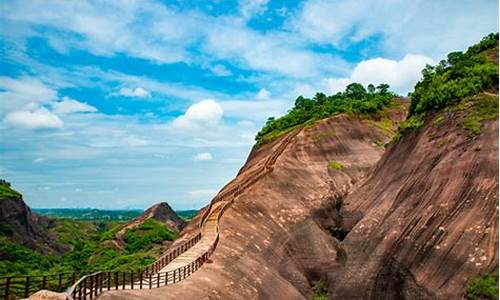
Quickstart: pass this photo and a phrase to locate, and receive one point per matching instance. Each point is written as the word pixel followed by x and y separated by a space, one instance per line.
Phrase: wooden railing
pixel 91 286
pixel 15 287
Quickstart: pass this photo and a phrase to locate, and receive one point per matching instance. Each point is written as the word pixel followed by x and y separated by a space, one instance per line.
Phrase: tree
pixel 371 89
pixel 383 88
pixel 355 91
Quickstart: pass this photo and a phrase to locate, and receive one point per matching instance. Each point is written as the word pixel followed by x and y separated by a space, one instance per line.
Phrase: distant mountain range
pixel 83 214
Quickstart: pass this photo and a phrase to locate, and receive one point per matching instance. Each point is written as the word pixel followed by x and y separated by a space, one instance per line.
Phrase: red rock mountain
pixel 275 240
pixel 26 228
pixel 161 212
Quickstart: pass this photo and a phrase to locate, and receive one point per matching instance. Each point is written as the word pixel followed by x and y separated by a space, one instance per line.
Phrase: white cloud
pixel 136 92
pixel 400 75
pixel 250 8
pixel 40 118
pixel 263 94
pixel 16 93
pixel 204 113
pixel 39 160
pixel 69 106
pixel 433 28
pixel 220 70
pixel 203 156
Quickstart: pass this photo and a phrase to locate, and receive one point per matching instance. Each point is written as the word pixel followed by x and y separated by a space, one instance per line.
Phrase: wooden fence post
pixel 7 287
pixel 27 287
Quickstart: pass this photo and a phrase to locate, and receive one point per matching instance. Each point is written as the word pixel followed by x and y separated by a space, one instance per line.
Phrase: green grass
pixel 482 287
pixel 336 165
pixel 320 291
pixel 6 192
pixel 481 108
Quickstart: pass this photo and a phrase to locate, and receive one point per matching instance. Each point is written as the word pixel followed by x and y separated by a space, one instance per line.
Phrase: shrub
pixel 148 233
pixel 459 76
pixel 320 291
pixel 336 165
pixel 483 287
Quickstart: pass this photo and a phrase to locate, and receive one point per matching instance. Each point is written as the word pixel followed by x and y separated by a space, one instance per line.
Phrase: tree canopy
pixel 355 99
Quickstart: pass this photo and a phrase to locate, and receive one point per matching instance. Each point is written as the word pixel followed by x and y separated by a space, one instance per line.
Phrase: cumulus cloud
pixel 15 93
pixel 203 156
pixel 40 118
pixel 263 94
pixel 400 75
pixel 135 92
pixel 69 106
pixel 204 113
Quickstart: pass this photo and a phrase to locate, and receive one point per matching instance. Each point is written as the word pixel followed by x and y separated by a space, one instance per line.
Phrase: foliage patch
pixel 482 287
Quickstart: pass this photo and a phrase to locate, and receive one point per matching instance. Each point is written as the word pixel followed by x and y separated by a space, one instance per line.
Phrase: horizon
pixel 119 106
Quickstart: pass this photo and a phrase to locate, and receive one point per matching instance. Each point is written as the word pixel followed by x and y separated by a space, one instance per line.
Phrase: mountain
pixel 378 201
pixel 158 215
pixel 20 225
pixel 275 238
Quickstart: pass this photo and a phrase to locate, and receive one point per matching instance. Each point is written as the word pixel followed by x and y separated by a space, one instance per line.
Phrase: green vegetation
pixel 336 165
pixel 320 291
pixel 481 108
pixel 6 192
pixel 89 213
pixel 16 259
pixel 187 215
pixel 93 214
pixel 455 81
pixel 355 100
pixel 90 249
pixel 148 233
pixel 483 287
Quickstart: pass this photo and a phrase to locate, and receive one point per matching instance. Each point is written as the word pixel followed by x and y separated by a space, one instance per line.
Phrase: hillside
pixel 425 223
pixel 35 244
pixel 342 217
pixel 272 244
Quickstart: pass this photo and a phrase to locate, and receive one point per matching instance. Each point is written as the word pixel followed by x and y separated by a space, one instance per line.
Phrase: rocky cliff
pixel 24 227
pixel 276 238
pixel 426 220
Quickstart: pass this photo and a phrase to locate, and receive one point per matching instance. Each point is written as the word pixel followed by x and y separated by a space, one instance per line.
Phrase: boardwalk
pixel 185 259
pixel 209 234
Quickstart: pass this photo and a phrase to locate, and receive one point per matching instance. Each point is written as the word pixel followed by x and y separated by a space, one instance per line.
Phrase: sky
pixel 123 104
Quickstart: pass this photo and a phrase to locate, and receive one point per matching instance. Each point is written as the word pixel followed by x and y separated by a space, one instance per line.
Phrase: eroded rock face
pixel 274 240
pixel 426 221
pixel 28 229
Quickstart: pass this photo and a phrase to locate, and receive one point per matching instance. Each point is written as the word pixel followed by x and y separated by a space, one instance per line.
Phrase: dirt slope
pixel 426 220
pixel 273 240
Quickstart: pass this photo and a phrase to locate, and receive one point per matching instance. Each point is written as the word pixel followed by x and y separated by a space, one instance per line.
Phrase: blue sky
pixel 122 104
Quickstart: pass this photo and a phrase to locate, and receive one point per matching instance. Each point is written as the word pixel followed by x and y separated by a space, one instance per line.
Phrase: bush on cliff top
pixel 453 81
pixel 354 100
